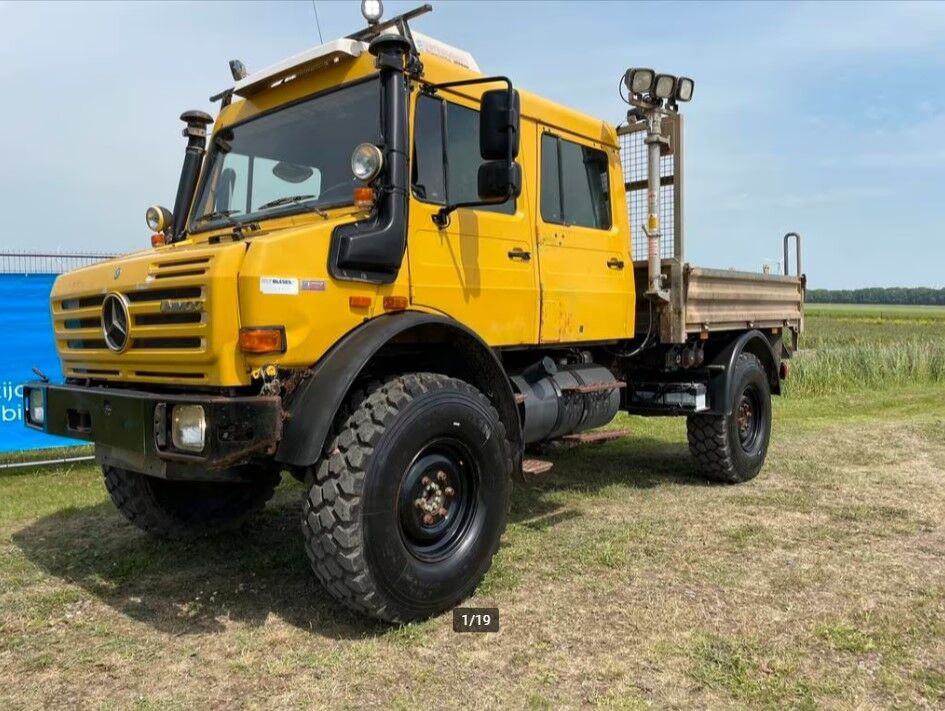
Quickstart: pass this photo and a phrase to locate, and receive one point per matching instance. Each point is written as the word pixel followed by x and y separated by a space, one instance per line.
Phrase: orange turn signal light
pixel 158 239
pixel 363 197
pixel 269 339
pixel 395 303
pixel 359 302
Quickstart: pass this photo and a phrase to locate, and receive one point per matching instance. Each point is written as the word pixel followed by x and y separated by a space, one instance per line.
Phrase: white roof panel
pixel 302 63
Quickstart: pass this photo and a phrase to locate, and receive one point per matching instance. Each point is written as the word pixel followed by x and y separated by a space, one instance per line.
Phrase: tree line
pixel 915 295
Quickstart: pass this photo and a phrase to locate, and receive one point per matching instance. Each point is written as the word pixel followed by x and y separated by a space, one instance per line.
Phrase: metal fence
pixel 633 160
pixel 49 262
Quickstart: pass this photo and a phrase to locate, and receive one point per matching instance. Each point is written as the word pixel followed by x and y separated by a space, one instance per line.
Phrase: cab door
pixel 479 269
pixel 584 262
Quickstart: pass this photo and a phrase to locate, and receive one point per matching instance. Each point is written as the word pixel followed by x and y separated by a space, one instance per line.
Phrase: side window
pixel 429 175
pixel 448 170
pixel 582 187
pixel 550 180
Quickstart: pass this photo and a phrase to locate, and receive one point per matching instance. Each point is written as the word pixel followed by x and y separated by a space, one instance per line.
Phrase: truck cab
pixel 387 275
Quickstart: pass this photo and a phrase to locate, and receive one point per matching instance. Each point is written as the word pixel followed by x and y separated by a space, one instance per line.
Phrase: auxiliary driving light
pixel 158 218
pixel 366 162
pixel 664 86
pixel 639 81
pixel 684 87
pixel 36 407
pixel 372 11
pixel 188 427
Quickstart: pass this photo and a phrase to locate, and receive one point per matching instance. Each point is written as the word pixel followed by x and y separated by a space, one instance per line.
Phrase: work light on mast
pixel 654 96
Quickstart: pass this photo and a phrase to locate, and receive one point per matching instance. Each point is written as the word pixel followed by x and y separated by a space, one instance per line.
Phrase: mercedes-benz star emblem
pixel 115 322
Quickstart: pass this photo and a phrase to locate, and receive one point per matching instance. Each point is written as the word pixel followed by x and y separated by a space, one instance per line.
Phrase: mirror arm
pixel 441 218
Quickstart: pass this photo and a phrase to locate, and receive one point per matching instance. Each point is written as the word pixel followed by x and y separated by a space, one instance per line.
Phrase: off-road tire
pixel 714 440
pixel 353 512
pixel 178 510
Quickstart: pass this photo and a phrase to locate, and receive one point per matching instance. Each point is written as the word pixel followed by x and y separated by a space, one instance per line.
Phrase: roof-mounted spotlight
pixel 238 70
pixel 372 11
pixel 639 81
pixel 664 86
pixel 684 87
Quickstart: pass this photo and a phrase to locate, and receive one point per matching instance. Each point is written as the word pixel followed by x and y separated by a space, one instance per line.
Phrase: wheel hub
pixel 434 500
pixel 747 419
pixel 437 499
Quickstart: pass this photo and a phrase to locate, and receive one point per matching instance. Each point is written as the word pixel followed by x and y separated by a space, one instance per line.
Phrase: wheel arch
pixel 385 345
pixel 754 342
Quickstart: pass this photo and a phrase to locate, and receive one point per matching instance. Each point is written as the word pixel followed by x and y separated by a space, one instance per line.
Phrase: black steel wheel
pixel 438 499
pixel 404 513
pixel 732 448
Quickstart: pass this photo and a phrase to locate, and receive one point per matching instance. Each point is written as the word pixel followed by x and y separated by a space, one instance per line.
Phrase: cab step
pixel 536 466
pixel 598 437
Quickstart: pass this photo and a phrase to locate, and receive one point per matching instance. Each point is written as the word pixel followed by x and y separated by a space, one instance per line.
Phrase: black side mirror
pixel 500 177
pixel 499 180
pixel 499 125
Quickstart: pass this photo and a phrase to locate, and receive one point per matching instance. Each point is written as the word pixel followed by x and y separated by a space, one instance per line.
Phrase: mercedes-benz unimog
pixel 391 276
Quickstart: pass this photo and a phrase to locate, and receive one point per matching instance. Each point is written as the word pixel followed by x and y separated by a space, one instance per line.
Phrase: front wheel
pixel 732 448
pixel 187 509
pixel 405 511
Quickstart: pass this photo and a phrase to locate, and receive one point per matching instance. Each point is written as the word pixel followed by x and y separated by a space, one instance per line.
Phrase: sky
pixel 825 119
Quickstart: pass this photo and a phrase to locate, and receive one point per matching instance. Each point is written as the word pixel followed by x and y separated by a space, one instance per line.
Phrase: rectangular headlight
pixel 188 427
pixel 36 406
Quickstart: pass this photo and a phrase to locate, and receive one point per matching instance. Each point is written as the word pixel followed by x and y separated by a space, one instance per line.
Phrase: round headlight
pixel 158 218
pixel 366 162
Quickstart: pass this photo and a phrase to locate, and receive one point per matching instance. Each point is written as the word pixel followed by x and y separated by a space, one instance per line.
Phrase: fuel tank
pixel 561 400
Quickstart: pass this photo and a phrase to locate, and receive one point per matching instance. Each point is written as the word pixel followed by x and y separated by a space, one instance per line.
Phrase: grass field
pixel 624 581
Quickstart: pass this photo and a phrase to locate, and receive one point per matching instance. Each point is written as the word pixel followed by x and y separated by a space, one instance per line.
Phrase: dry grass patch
pixel 624 581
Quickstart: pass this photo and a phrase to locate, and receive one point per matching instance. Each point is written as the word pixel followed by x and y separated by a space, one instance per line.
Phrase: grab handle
pixel 797 253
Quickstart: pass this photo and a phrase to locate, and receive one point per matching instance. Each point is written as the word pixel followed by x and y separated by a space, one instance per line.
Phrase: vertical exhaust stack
pixel 196 135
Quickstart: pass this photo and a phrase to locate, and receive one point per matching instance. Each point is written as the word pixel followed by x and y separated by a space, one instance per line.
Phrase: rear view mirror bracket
pixel 499 136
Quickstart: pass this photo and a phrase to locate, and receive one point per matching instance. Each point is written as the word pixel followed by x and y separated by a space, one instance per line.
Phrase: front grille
pixel 178 268
pixel 168 312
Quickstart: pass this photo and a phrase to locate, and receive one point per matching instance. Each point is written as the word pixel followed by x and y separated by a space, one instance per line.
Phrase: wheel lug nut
pixel 418 503
pixel 426 481
pixel 449 491
pixel 441 475
pixel 427 519
pixel 442 512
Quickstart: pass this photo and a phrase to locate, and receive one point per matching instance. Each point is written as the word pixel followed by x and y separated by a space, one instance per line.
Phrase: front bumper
pixel 131 429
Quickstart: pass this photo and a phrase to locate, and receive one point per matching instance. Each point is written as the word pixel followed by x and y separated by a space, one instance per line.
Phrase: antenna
pixel 318 25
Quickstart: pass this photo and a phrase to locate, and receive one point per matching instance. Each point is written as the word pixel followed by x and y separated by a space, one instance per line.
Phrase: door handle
pixel 520 254
pixel 615 263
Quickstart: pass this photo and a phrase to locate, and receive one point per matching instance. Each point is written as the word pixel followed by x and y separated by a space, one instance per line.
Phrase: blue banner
pixel 27 334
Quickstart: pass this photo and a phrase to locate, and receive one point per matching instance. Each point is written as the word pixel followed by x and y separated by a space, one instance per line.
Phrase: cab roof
pixel 344 60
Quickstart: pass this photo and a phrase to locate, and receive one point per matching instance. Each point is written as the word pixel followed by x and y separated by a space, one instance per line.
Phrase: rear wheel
pixel 405 511
pixel 732 448
pixel 186 509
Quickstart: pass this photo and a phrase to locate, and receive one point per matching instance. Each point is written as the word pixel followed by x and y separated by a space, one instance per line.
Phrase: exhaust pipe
pixel 196 135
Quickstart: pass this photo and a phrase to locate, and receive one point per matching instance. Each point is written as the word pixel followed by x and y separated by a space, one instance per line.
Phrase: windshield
pixel 293 159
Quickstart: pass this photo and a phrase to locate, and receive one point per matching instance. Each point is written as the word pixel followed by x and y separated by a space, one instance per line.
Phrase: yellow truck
pixel 390 276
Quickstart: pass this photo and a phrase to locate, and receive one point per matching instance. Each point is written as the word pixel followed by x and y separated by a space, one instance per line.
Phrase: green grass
pixel 624 580
pixel 849 348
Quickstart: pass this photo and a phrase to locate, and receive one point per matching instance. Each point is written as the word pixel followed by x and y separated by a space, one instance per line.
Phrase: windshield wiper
pixel 285 201
pixel 217 215
pixel 291 200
